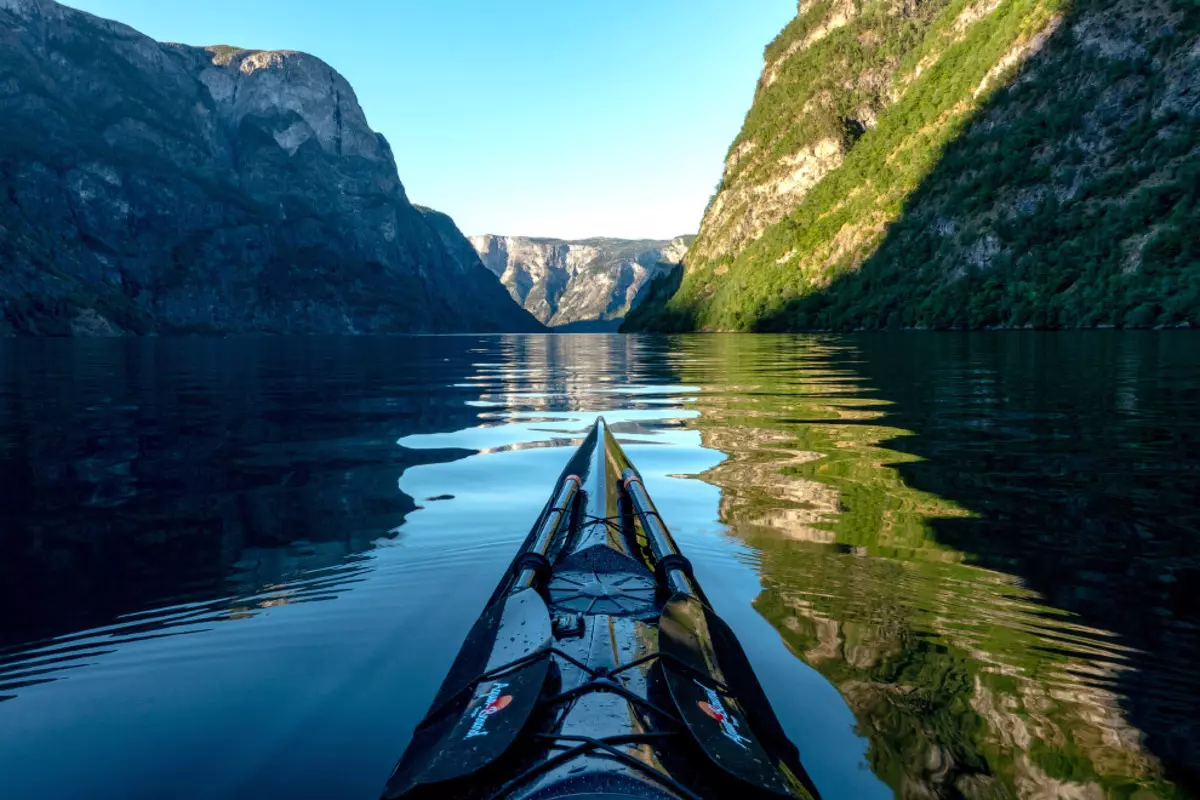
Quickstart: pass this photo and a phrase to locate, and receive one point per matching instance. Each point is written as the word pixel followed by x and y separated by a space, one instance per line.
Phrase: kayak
pixel 598 670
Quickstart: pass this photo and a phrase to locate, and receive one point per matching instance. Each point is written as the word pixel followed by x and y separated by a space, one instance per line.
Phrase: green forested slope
pixel 959 164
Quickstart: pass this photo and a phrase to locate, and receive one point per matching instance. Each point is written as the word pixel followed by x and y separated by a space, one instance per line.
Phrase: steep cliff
pixel 958 163
pixel 149 187
pixel 586 281
pixel 473 278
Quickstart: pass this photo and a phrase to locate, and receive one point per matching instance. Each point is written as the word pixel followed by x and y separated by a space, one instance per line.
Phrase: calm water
pixel 963 565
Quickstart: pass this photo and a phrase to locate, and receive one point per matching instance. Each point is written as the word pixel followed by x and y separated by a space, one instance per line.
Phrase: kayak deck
pixel 598 670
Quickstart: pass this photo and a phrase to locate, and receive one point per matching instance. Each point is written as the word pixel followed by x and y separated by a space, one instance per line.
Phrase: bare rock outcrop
pixel 586 281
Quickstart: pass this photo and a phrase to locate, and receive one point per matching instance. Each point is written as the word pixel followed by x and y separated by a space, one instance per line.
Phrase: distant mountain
pixel 583 281
pixel 958 163
pixel 149 187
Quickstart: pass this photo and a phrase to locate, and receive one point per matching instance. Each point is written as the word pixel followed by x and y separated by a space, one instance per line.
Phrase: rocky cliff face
pixel 958 163
pixel 472 278
pixel 152 187
pixel 586 281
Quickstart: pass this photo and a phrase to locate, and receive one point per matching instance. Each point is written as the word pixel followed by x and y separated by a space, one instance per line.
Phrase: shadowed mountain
pixel 149 187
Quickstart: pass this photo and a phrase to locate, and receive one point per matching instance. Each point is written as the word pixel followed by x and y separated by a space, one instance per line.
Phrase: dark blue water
pixel 962 565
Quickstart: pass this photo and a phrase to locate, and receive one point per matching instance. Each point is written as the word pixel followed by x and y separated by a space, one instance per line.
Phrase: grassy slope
pixel 1070 202
pixel 829 72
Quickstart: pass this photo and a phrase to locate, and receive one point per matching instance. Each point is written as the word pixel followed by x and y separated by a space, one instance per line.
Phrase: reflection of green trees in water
pixel 964 684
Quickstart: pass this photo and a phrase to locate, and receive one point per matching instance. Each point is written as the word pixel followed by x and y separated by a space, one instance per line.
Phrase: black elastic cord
pixel 593 674
pixel 605 684
pixel 574 662
pixel 650 512
pixel 637 662
pixel 612 523
pixel 607 744
pixel 496 672
pixel 503 669
pixel 599 680
pixel 686 667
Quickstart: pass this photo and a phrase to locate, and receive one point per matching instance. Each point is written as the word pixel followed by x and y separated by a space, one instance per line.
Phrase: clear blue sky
pixel 564 118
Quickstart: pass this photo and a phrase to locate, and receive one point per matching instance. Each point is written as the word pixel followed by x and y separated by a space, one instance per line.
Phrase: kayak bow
pixel 598 669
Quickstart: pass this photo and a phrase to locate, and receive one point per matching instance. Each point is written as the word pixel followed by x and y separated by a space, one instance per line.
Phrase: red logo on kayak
pixel 715 713
pixel 493 703
pixel 498 704
pixel 716 709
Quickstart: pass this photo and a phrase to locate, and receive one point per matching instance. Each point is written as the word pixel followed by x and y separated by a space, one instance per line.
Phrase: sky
pixel 557 118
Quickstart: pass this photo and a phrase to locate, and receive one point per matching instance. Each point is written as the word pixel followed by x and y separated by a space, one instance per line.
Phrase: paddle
pixel 500 665
pixel 452 746
pixel 688 635
pixel 700 657
pixel 499 706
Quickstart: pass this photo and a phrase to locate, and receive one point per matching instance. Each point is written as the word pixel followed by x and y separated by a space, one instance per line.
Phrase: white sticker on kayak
pixel 494 702
pixel 716 709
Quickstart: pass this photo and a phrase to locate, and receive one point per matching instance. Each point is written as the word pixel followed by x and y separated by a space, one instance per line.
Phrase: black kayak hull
pixel 598 668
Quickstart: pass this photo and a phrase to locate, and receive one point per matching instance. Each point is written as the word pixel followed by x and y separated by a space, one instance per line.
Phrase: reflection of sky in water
pixel 497 478
pixel 304 534
pixel 326 652
pixel 519 434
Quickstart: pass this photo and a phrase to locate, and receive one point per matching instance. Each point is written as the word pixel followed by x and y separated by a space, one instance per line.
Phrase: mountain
pixel 475 281
pixel 590 284
pixel 958 163
pixel 148 187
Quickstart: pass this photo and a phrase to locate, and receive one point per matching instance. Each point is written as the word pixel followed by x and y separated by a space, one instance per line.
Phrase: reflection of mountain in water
pixel 591 372
pixel 966 681
pixel 984 543
pixel 136 474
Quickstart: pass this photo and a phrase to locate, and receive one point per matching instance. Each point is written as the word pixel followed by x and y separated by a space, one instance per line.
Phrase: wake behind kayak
pixel 598 670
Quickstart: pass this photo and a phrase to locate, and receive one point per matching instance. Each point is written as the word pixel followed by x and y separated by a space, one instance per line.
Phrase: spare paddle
pixel 499 705
pixel 694 642
pixel 502 663
pixel 714 716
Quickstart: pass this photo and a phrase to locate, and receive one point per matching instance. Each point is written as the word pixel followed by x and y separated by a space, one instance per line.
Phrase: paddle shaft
pixel 662 546
pixel 559 512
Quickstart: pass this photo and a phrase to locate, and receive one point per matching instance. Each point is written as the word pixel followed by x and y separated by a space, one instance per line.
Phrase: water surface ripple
pixel 963 565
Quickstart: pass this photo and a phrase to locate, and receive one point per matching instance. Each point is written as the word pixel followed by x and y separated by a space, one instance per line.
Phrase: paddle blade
pixel 524 629
pixel 495 716
pixel 471 737
pixel 715 717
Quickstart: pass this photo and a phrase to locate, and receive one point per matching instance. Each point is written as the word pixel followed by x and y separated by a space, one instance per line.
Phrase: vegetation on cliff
pixel 1003 163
